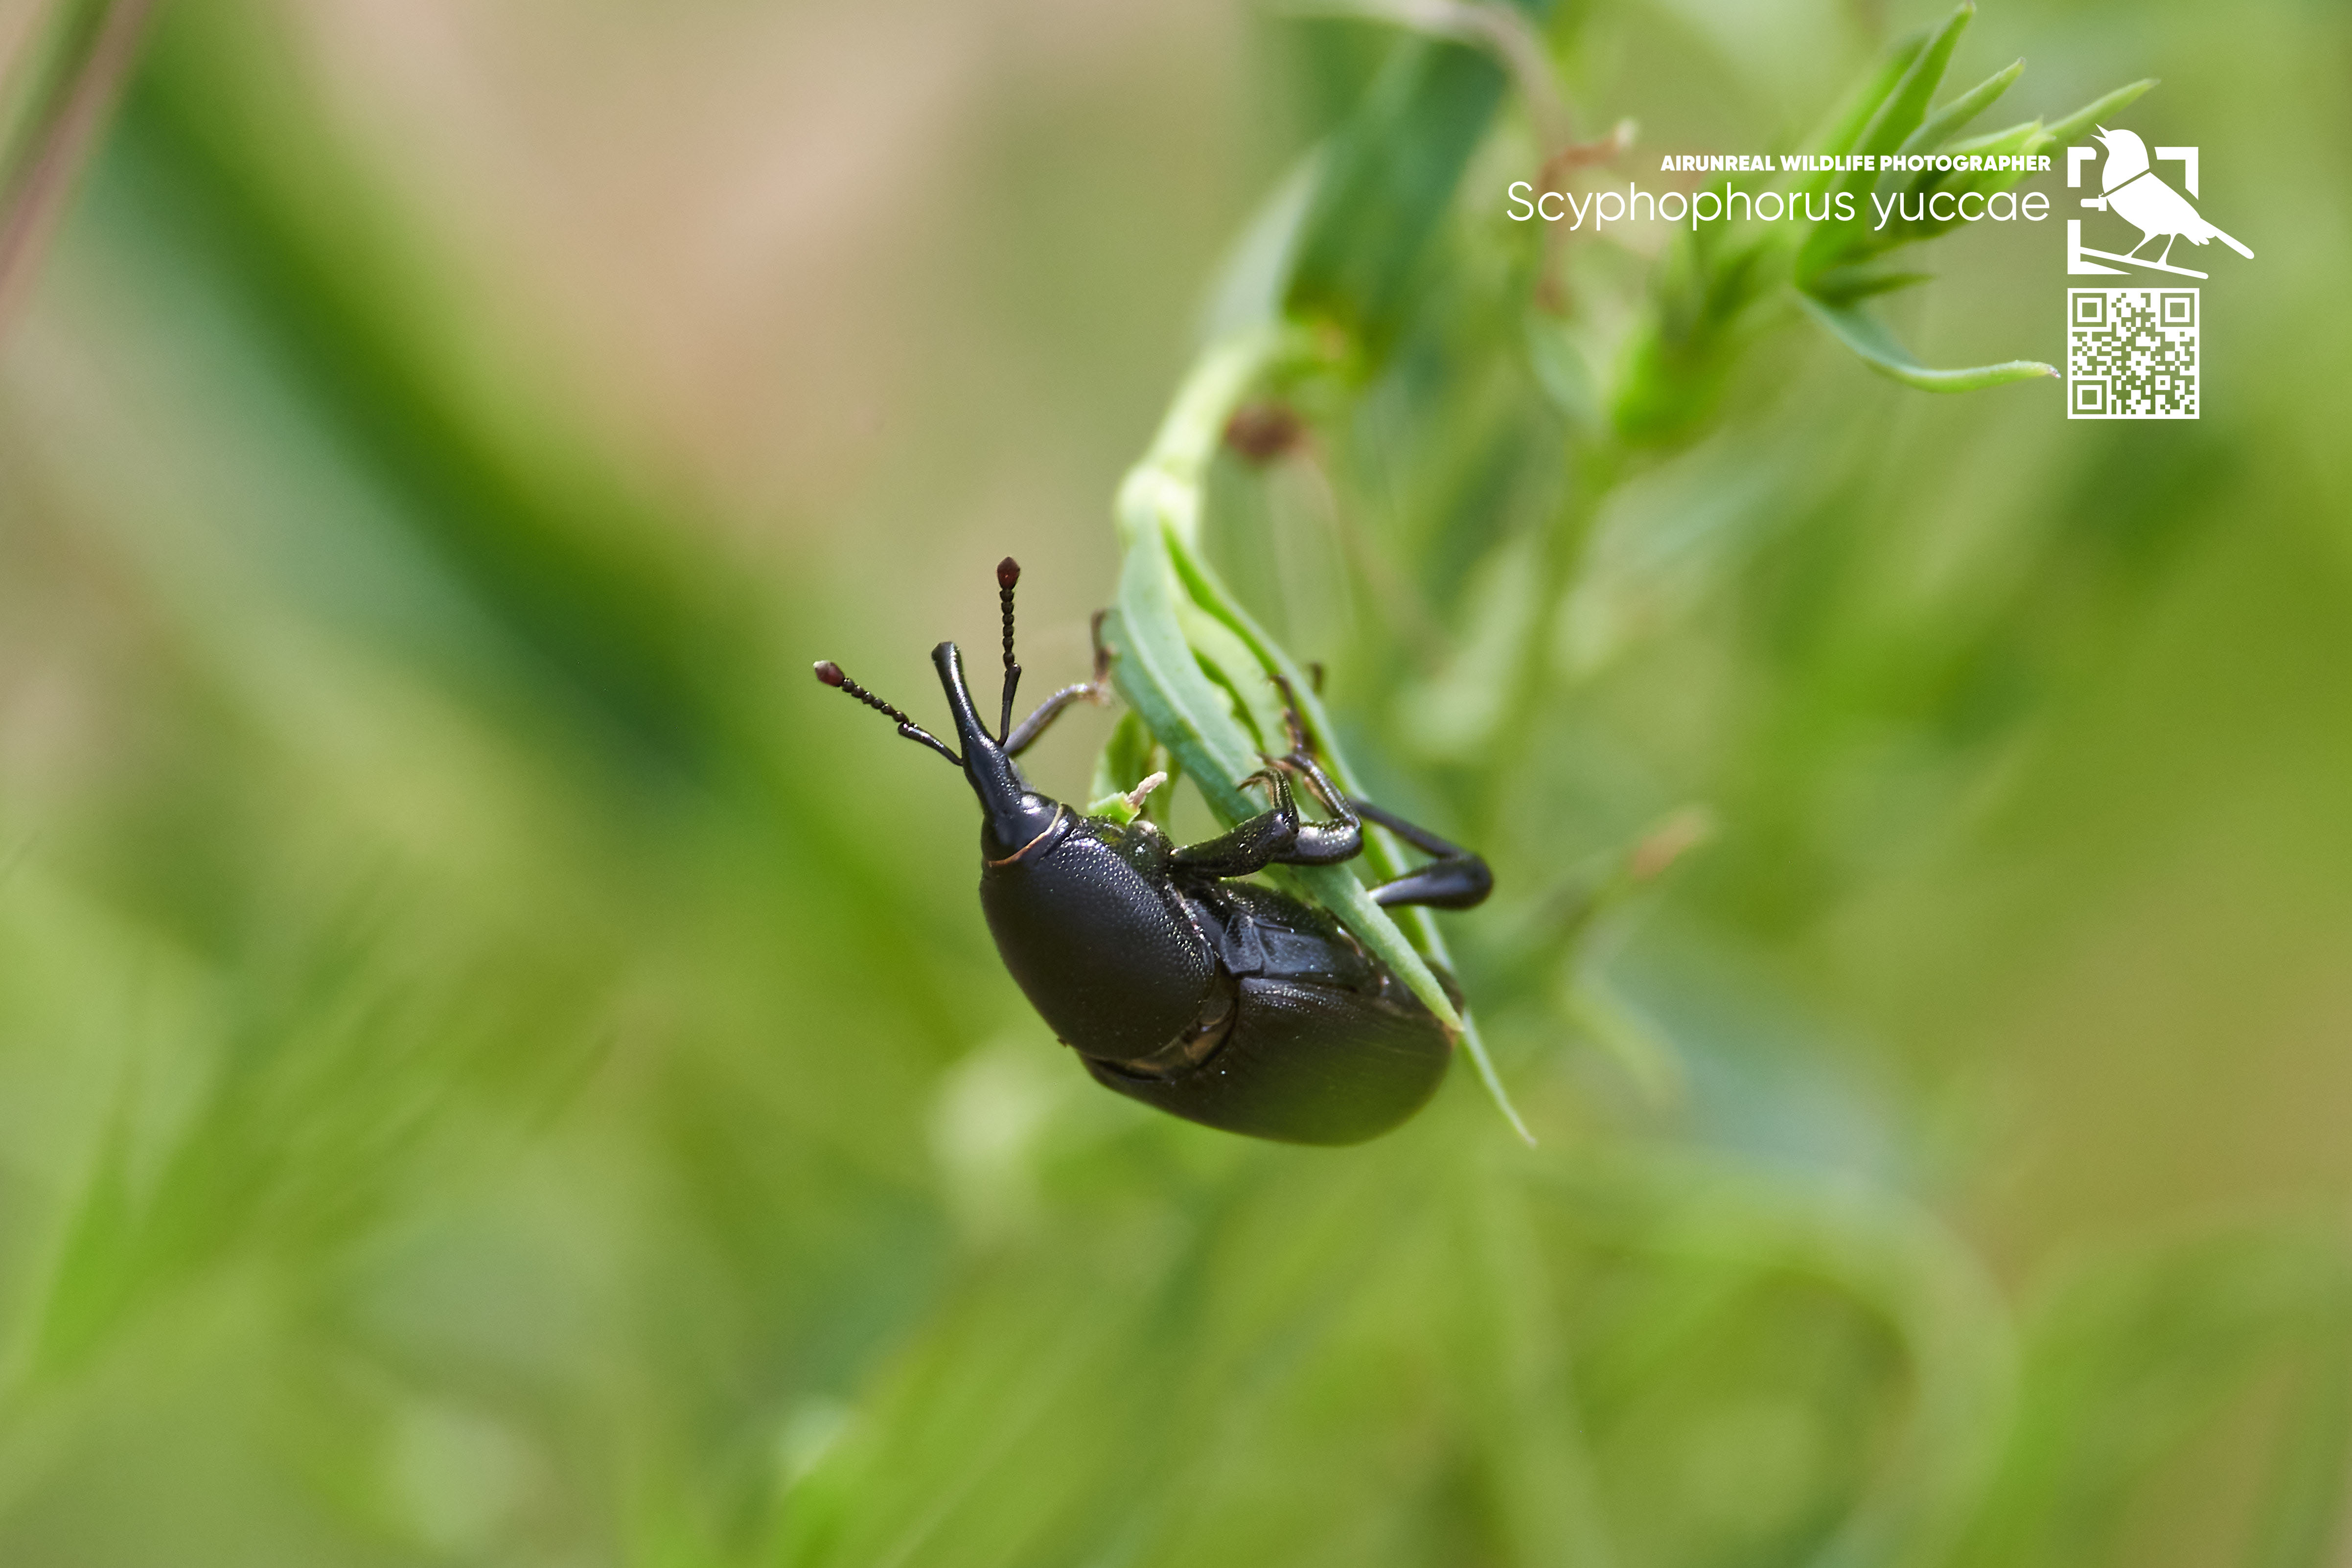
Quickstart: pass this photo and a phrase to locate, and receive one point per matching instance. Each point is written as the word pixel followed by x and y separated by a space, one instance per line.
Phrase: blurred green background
pixel 499 1067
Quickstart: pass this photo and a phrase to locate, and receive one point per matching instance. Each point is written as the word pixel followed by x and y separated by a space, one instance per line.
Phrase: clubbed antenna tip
pixel 830 674
pixel 1008 573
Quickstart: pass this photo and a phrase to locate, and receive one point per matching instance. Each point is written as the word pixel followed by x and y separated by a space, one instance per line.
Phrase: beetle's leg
pixel 1456 880
pixel 1036 724
pixel 1318 783
pixel 1094 691
pixel 1300 746
pixel 1252 845
pixel 1277 838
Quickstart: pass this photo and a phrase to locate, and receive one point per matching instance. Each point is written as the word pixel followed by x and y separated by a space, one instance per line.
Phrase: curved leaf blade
pixel 1870 340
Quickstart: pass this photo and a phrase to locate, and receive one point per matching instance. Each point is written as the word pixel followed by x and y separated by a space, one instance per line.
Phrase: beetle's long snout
pixel 1013 815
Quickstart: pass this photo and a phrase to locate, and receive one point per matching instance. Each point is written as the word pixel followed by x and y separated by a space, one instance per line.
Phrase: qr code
pixel 2131 353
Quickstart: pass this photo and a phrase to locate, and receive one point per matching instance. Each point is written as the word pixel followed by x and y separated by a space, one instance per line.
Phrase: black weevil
pixel 1224 1001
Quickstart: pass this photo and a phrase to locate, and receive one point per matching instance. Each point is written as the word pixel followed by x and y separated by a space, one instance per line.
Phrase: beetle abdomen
pixel 1305 1063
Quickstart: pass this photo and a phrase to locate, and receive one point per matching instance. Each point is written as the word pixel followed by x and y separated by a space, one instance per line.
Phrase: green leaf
pixel 2090 114
pixel 2017 138
pixel 1256 274
pixel 1841 285
pixel 1907 107
pixel 1869 338
pixel 1185 653
pixel 1674 364
pixel 1228 660
pixel 2028 137
pixel 1945 122
pixel 1895 117
pixel 1160 676
pixel 1389 176
pixel 1129 757
pixel 1846 125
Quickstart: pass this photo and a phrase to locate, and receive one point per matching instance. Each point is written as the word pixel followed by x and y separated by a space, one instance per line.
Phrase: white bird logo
pixel 2133 192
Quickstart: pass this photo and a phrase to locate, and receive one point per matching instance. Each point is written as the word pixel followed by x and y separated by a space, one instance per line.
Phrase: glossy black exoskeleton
pixel 1224 1001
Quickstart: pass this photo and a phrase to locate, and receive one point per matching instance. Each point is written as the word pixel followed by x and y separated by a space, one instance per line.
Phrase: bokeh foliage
pixel 497 1067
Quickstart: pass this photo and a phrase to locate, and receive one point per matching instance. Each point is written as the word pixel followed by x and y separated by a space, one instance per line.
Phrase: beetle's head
pixel 1013 815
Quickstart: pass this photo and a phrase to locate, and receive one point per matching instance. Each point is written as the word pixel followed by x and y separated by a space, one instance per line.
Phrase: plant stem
pixel 1159 516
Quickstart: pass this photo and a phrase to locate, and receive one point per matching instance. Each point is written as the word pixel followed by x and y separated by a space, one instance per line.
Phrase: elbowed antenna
pixel 830 673
pixel 1008 573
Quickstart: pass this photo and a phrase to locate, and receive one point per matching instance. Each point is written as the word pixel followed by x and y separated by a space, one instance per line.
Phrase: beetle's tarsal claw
pixel 1302 766
pixel 1102 655
pixel 1294 765
pixel 1290 719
